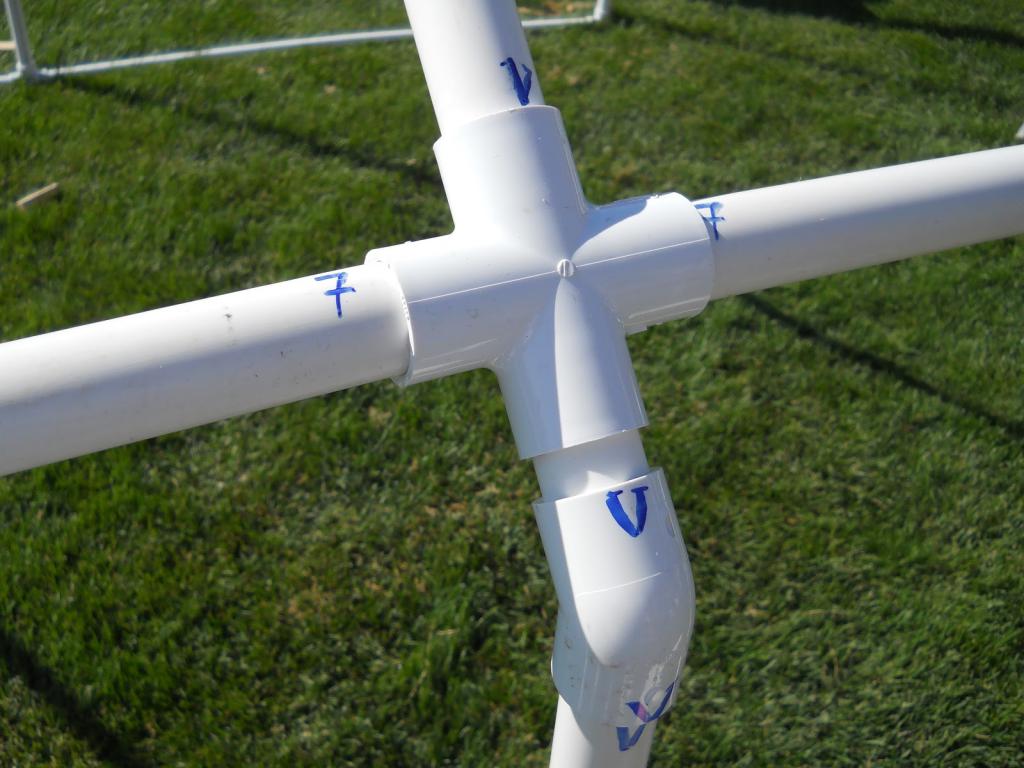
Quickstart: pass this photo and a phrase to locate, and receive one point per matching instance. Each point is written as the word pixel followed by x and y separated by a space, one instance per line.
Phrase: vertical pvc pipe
pixel 474 58
pixel 610 637
pixel 572 472
pixel 578 746
pixel 22 46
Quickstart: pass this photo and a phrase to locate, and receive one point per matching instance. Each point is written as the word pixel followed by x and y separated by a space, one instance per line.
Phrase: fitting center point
pixel 565 268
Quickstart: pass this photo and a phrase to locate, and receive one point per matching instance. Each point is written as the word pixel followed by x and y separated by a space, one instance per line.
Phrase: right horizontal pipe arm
pixel 784 234
pixel 85 389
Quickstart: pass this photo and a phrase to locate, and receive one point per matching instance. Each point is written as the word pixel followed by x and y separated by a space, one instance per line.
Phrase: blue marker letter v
pixel 615 507
pixel 522 85
pixel 628 740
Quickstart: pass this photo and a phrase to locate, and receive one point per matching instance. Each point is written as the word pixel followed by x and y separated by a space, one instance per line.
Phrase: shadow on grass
pixel 77 717
pixel 858 12
pixel 1013 429
pixel 283 136
pixel 989 99
pixel 841 10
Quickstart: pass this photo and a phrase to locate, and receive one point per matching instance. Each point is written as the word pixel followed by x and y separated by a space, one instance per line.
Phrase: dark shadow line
pixel 1014 429
pixel 851 11
pixel 976 98
pixel 961 32
pixel 858 12
pixel 82 722
pixel 357 156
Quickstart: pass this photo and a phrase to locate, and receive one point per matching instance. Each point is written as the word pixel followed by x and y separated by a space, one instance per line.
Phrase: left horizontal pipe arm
pixel 777 235
pixel 84 389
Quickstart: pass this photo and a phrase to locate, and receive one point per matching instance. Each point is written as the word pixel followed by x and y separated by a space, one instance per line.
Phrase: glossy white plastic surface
pixel 465 47
pixel 576 744
pixel 793 232
pixel 72 392
pixel 626 599
pixel 542 287
pixel 580 740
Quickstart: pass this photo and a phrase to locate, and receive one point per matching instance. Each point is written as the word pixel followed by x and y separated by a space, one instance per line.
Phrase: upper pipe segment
pixel 784 234
pixel 475 58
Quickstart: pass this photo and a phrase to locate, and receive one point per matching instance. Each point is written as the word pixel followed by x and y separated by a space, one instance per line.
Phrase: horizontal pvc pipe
pixel 777 235
pixel 283 44
pixel 213 52
pixel 85 389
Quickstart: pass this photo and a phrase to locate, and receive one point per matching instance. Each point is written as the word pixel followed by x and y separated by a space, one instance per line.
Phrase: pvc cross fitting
pixel 542 287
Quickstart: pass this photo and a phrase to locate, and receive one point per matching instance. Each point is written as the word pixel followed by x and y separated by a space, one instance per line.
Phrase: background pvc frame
pixel 26 67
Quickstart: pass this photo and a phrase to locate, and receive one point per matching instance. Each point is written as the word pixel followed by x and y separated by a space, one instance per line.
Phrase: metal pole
pixel 26 64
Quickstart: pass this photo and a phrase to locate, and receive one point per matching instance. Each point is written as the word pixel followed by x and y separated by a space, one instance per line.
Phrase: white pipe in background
pixel 27 68
pixel 85 389
pixel 25 62
pixel 784 234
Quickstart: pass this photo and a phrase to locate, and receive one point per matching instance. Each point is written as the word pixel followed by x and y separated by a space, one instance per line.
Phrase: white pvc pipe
pixel 602 10
pixel 85 389
pixel 582 471
pixel 777 235
pixel 572 472
pixel 219 51
pixel 474 58
pixel 576 745
pixel 26 65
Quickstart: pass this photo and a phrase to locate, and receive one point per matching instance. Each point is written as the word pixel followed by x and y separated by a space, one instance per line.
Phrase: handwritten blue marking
pixel 615 507
pixel 627 739
pixel 714 218
pixel 338 289
pixel 522 85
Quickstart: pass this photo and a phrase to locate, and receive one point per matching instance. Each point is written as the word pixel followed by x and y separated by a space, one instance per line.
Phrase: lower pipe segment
pixel 626 608
pixel 593 745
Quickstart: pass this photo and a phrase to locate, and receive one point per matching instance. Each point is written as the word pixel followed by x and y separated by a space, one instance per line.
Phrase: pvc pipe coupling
pixel 626 602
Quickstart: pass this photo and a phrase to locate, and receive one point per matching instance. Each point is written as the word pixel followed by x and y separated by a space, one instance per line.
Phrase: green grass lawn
pixel 357 579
